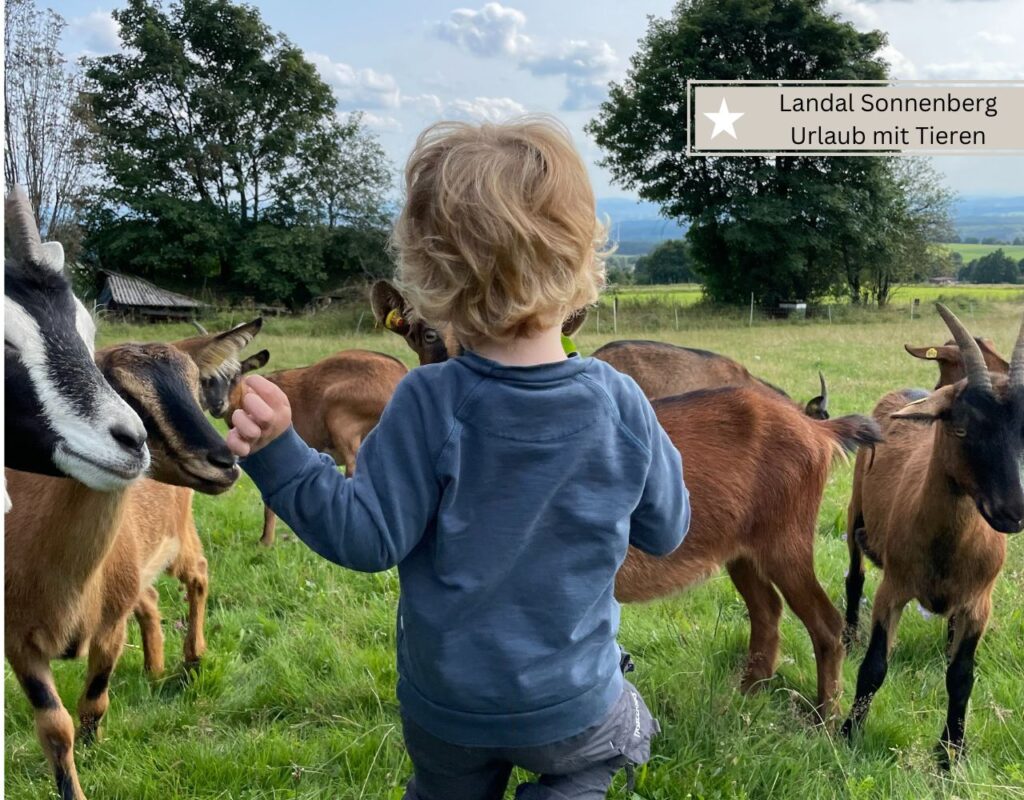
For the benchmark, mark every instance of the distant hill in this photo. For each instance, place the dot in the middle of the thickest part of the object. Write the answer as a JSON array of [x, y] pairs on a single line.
[[636, 226], [983, 217]]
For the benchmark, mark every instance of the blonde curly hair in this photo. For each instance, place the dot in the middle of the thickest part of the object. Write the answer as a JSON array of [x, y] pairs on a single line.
[[499, 235]]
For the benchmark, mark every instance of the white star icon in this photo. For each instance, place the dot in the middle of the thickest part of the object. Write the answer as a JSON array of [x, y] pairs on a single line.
[[723, 120]]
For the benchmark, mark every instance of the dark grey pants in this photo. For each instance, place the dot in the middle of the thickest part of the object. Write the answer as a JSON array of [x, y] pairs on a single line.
[[579, 768]]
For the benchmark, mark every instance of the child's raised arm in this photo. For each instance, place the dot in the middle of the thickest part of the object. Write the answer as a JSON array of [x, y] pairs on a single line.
[[371, 521], [661, 520]]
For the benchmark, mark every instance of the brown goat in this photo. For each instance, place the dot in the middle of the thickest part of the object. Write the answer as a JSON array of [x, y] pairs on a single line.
[[335, 403], [79, 561], [951, 365], [756, 469], [664, 370], [760, 473], [930, 507]]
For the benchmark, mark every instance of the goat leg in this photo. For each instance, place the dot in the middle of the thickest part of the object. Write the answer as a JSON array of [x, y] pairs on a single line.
[[104, 651], [54, 727], [885, 618], [269, 523], [764, 608], [959, 683], [147, 612], [854, 583]]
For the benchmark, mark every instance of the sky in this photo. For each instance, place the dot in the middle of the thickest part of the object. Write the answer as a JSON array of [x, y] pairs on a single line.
[[406, 63]]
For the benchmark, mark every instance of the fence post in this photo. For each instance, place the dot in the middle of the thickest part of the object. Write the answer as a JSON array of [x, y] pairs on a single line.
[[751, 309], [359, 324], [615, 314]]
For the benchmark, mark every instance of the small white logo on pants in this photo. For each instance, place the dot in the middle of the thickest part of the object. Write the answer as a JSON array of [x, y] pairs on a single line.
[[636, 714]]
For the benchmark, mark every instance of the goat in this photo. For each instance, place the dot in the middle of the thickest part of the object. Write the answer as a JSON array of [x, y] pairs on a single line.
[[216, 385], [79, 561], [335, 403], [951, 365], [660, 369], [74, 425], [931, 507], [760, 467], [758, 522], [663, 370]]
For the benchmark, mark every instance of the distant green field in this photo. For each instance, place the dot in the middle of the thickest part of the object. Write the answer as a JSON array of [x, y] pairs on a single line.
[[969, 252]]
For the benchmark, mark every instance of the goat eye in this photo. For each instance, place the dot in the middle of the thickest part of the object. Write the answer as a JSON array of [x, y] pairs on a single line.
[[430, 336], [959, 431]]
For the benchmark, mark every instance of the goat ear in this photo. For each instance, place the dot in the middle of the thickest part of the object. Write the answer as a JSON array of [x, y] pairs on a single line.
[[389, 307], [928, 409], [996, 363], [255, 361], [211, 353], [947, 353], [574, 322]]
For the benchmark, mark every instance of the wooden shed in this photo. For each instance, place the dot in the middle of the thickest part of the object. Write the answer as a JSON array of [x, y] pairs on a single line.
[[131, 296]]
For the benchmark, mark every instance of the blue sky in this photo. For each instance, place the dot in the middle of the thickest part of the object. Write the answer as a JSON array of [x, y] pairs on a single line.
[[406, 63]]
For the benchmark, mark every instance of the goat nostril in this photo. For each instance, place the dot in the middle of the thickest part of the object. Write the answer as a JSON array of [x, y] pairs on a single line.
[[128, 439], [221, 458]]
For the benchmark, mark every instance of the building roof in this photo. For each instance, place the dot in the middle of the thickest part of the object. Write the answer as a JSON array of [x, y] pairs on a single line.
[[127, 290]]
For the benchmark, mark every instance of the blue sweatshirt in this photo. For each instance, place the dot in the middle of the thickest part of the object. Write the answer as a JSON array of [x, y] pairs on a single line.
[[507, 497]]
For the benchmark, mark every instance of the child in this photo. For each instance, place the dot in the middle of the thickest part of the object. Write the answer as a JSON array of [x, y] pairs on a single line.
[[506, 484]]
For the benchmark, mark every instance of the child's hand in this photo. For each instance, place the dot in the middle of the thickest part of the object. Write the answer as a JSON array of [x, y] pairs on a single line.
[[264, 415]]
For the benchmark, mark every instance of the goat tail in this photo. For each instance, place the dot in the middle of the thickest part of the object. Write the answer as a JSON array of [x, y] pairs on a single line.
[[849, 433]]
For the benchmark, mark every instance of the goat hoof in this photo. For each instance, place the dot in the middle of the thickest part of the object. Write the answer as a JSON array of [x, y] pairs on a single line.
[[847, 730], [87, 732], [948, 754]]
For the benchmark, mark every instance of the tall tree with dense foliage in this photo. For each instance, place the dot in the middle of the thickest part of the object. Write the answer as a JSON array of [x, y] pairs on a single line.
[[995, 267], [43, 121], [669, 262], [773, 227], [207, 123]]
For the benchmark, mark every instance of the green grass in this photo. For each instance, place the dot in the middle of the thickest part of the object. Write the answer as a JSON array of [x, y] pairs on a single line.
[[969, 252], [296, 696]]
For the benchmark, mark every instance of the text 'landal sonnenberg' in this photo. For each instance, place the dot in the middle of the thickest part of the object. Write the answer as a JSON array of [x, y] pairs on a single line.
[[817, 118]]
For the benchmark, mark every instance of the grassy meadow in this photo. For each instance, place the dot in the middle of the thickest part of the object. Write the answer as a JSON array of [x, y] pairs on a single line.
[[969, 252], [295, 698]]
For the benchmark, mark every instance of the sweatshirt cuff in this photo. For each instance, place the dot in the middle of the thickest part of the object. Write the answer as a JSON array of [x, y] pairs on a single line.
[[276, 465]]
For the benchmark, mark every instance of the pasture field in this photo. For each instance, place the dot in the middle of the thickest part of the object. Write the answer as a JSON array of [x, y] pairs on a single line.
[[295, 698], [969, 252]]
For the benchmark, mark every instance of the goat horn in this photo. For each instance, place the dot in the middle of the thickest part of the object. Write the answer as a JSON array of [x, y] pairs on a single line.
[[199, 327], [974, 361], [824, 392], [1017, 361]]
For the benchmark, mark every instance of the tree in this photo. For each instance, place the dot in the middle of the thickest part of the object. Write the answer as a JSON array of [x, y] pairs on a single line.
[[911, 209], [996, 267], [223, 156], [774, 227], [341, 176], [43, 120], [669, 262]]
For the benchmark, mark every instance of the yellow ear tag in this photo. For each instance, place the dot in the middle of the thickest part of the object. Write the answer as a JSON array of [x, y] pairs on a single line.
[[568, 346], [393, 320], [931, 352]]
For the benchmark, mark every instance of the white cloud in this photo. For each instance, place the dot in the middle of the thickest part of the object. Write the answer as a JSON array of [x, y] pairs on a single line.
[[974, 70], [578, 58], [357, 88], [492, 30], [900, 66], [425, 103], [485, 109], [855, 11], [98, 32], [381, 122], [990, 37]]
